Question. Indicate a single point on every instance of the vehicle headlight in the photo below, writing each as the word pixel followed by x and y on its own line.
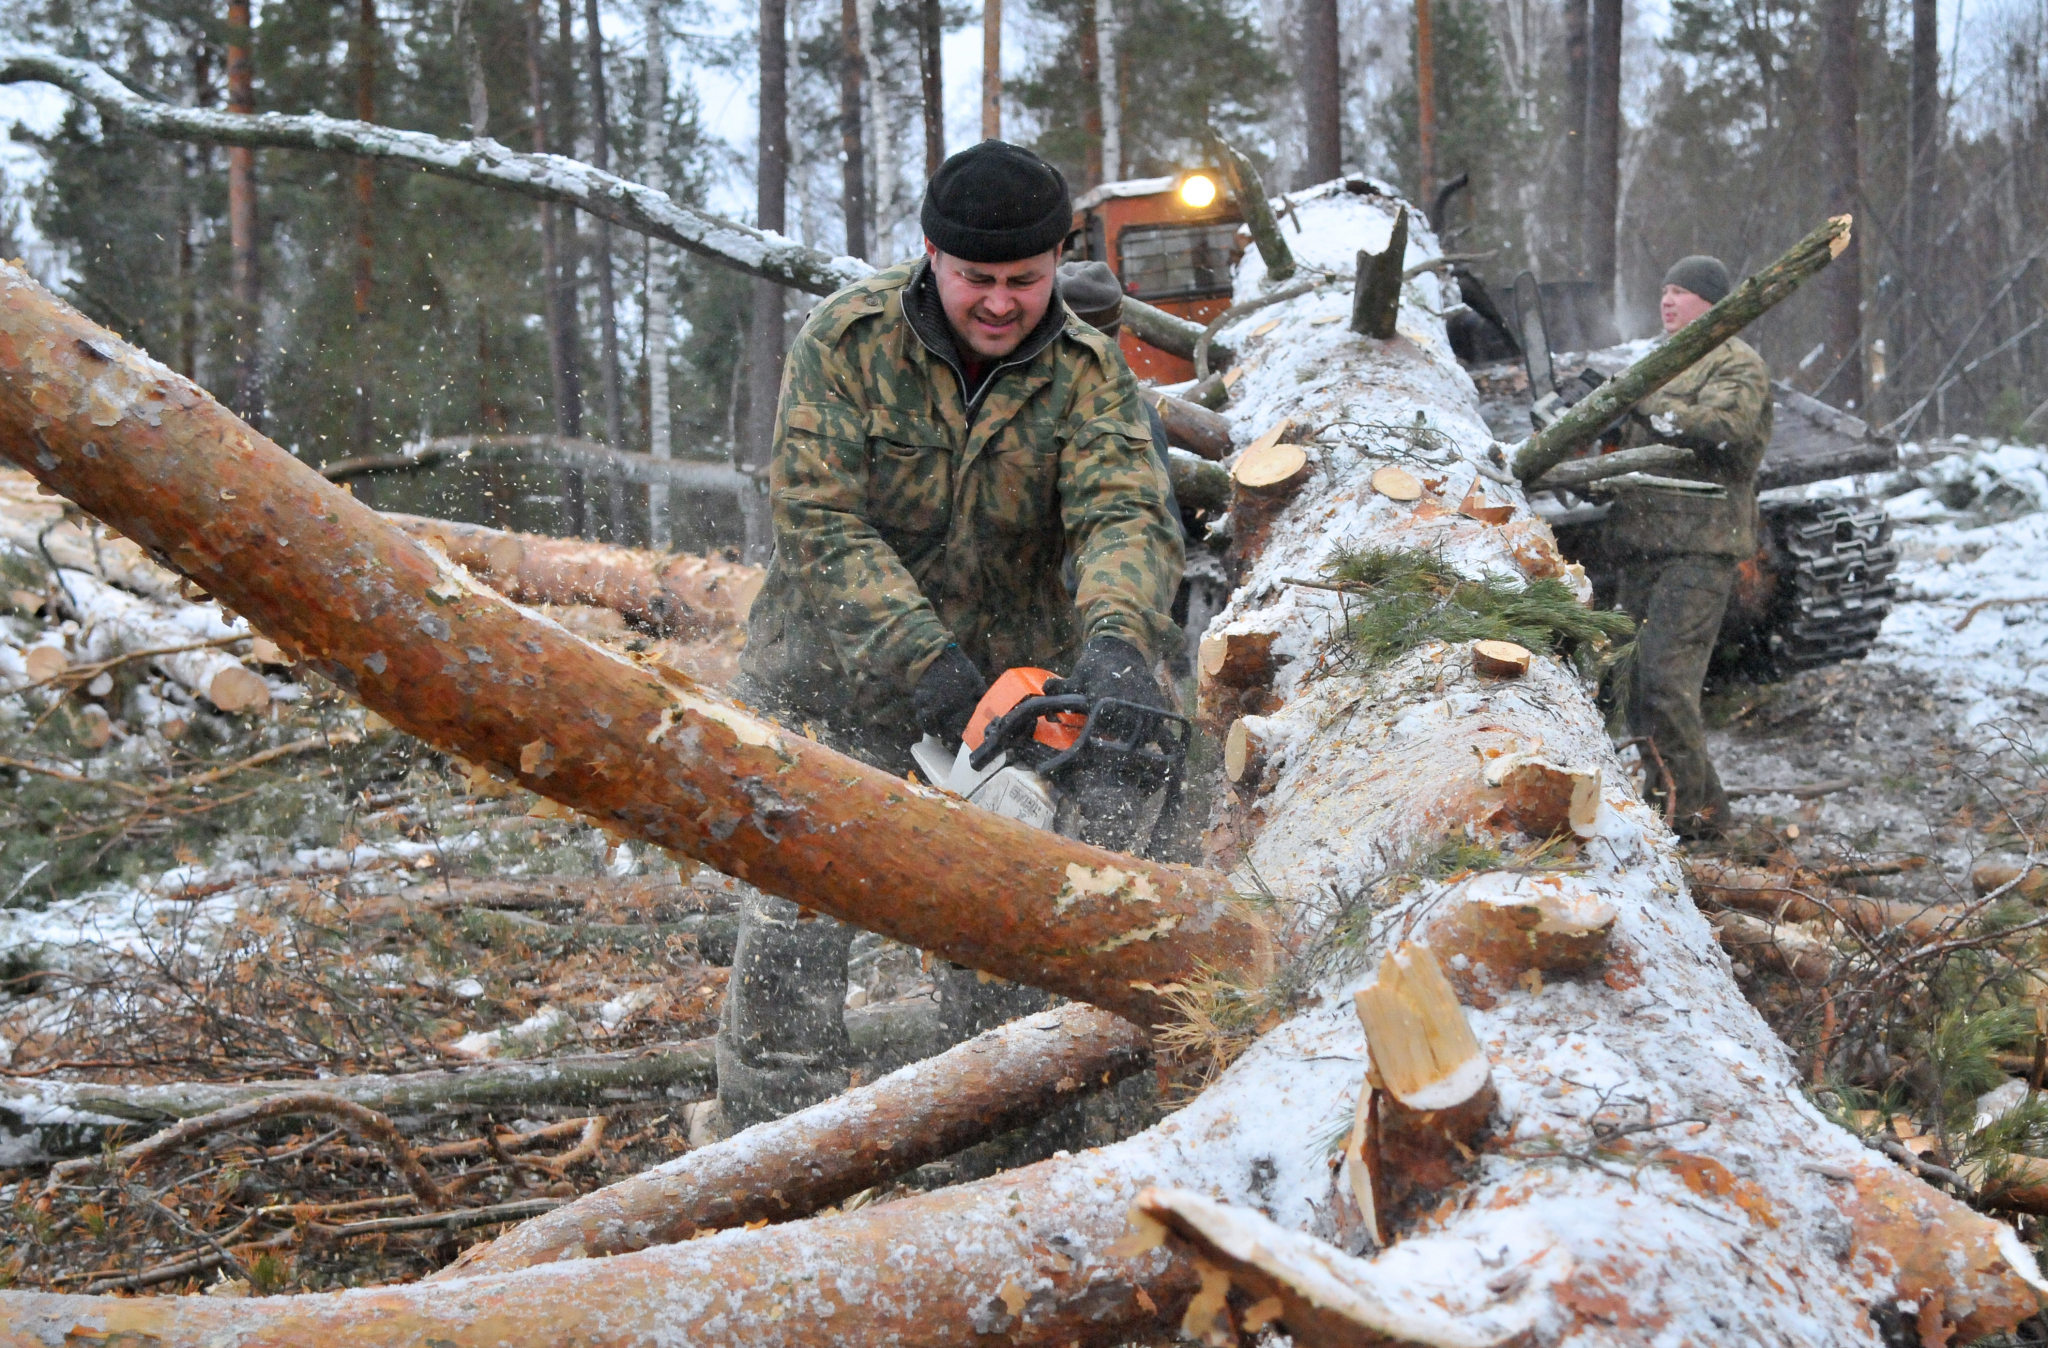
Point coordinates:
pixel 1198 190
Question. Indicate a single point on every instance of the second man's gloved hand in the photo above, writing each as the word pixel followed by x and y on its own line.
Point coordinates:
pixel 946 696
pixel 1112 667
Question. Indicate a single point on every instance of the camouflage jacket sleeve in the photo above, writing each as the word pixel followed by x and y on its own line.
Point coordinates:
pixel 1723 418
pixel 857 587
pixel 1125 542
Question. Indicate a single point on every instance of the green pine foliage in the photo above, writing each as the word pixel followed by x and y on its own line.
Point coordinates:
pixel 1184 65
pixel 1396 600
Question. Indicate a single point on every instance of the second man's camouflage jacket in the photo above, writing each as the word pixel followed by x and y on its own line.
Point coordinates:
pixel 911 513
pixel 1720 409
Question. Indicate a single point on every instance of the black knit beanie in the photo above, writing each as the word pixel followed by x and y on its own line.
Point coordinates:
pixel 997 202
pixel 1704 276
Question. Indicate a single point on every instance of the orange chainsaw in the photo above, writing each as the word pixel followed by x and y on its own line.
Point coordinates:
pixel 1063 762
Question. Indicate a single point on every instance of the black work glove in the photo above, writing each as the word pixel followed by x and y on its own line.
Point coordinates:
pixel 1111 667
pixel 946 696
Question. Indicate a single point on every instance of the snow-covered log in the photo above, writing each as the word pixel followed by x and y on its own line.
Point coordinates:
pixel 543 177
pixel 667 593
pixel 1651 1171
pixel 114 621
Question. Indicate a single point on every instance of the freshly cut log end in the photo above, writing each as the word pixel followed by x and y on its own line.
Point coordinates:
pixel 1544 799
pixel 238 690
pixel 1245 747
pixel 1500 659
pixel 1271 470
pixel 1397 483
pixel 1434 1095
pixel 1496 939
pixel 46 662
pixel 1237 659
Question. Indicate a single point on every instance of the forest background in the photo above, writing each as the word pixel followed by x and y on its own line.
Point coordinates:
pixel 378 306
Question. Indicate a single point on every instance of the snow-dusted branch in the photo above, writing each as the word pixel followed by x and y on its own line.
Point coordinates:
pixel 544 177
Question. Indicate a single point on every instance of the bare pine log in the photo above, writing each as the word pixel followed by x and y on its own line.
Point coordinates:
pixel 121 620
pixel 645 752
pixel 668 594
pixel 543 177
pixel 822 1155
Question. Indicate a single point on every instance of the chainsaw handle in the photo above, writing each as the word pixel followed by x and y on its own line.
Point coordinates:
pixel 1023 719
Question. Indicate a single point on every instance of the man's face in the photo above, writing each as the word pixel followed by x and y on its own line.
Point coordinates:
pixel 993 306
pixel 1680 307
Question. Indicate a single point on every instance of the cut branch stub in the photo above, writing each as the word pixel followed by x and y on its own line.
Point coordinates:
pixel 648 754
pixel 1245 747
pixel 1499 938
pixel 1270 467
pixel 1541 798
pixel 1250 191
pixel 1192 427
pixel 1235 672
pixel 795 1165
pixel 1376 300
pixel 1500 659
pixel 1433 1095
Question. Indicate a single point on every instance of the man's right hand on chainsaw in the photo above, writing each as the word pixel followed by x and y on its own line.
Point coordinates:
pixel 945 697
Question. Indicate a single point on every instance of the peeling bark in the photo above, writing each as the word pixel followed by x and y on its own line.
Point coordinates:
pixel 645 752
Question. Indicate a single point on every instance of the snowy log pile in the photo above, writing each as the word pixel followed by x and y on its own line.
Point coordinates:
pixel 1516 1099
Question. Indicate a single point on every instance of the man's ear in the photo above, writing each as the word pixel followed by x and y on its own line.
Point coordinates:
pixel 931 250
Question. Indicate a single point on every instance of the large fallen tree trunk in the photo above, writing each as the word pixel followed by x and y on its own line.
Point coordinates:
pixel 1650 1170
pixel 675 594
pixel 646 752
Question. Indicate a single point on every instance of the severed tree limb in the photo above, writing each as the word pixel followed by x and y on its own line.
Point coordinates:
pixel 645 752
pixel 667 594
pixel 557 450
pixel 685 1070
pixel 366 1124
pixel 1808 897
pixel 543 177
pixel 819 1156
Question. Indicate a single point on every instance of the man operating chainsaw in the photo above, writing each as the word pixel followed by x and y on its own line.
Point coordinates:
pixel 949 434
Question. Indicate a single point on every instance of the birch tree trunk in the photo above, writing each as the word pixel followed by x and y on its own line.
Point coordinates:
pixel 660 329
pixel 1649 1169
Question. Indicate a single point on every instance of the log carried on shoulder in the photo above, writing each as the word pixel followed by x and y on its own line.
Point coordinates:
pixel 1585 419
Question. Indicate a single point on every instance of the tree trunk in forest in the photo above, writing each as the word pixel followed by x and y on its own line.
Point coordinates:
pixel 1843 287
pixel 853 166
pixel 470 55
pixel 1574 150
pixel 364 184
pixel 1108 91
pixel 1650 1149
pixel 991 69
pixel 881 131
pixel 1088 49
pixel 1923 126
pixel 245 273
pixel 568 285
pixel 931 33
pixel 765 330
pixel 568 395
pixel 607 301
pixel 1602 200
pixel 192 165
pixel 646 754
pixel 1322 92
pixel 660 329
pixel 1425 104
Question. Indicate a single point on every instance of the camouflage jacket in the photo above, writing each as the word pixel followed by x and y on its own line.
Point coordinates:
pixel 911 512
pixel 1720 409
